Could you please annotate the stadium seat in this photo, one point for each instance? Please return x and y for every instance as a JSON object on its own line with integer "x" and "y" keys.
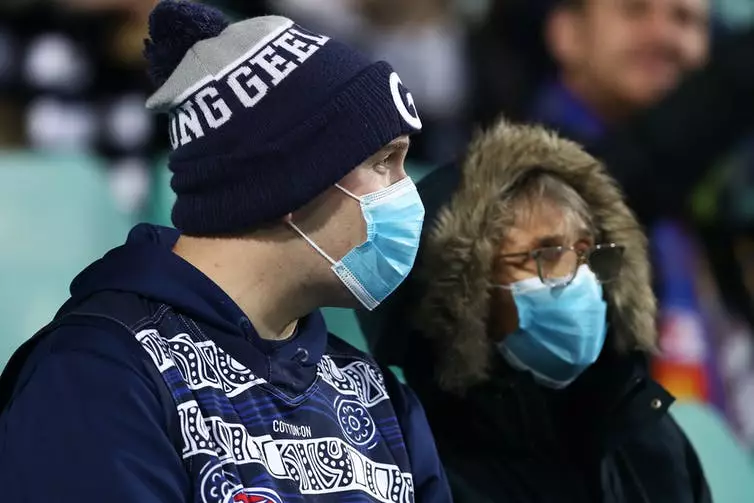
{"x": 343, "y": 323}
{"x": 56, "y": 216}
{"x": 727, "y": 464}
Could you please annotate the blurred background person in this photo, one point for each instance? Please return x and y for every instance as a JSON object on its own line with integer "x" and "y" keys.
{"x": 617, "y": 57}
{"x": 74, "y": 79}
{"x": 82, "y": 162}
{"x": 615, "y": 60}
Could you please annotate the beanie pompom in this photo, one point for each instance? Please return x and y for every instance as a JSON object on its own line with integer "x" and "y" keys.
{"x": 174, "y": 27}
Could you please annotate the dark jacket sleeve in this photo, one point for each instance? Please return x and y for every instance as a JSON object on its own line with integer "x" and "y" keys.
{"x": 430, "y": 481}
{"x": 87, "y": 424}
{"x": 702, "y": 493}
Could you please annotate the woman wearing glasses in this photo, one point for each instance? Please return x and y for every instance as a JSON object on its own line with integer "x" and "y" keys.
{"x": 532, "y": 318}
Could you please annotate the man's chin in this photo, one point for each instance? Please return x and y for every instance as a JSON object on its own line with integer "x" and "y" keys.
{"x": 649, "y": 95}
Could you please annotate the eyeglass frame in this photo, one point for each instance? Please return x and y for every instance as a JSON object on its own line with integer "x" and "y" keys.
{"x": 582, "y": 258}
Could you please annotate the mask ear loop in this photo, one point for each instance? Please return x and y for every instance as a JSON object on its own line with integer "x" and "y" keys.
{"x": 311, "y": 243}
{"x": 348, "y": 192}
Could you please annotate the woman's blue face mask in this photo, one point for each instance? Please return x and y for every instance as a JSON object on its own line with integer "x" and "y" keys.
{"x": 561, "y": 329}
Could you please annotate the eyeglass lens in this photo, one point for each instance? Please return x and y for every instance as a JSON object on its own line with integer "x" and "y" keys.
{"x": 558, "y": 265}
{"x": 606, "y": 262}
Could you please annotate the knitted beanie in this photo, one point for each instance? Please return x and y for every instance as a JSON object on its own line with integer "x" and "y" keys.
{"x": 264, "y": 114}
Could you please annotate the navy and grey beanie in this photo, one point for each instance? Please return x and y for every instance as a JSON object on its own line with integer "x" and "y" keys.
{"x": 264, "y": 114}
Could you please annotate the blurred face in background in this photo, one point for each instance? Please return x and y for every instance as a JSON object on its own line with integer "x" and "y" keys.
{"x": 623, "y": 55}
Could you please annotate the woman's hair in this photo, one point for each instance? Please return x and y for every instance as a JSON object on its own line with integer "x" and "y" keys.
{"x": 539, "y": 188}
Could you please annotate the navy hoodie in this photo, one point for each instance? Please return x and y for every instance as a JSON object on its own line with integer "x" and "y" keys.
{"x": 171, "y": 396}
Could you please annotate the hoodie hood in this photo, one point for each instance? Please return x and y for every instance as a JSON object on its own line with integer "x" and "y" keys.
{"x": 461, "y": 242}
{"x": 146, "y": 265}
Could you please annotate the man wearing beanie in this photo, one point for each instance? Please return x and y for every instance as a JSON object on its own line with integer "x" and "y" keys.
{"x": 192, "y": 365}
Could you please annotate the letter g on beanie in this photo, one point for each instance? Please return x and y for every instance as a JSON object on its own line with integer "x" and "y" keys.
{"x": 264, "y": 115}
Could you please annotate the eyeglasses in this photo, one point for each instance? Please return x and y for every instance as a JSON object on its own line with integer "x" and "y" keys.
{"x": 557, "y": 265}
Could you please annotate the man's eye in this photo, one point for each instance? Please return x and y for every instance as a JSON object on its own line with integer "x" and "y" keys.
{"x": 384, "y": 164}
{"x": 382, "y": 167}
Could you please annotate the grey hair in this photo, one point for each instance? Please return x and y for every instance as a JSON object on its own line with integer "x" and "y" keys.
{"x": 541, "y": 187}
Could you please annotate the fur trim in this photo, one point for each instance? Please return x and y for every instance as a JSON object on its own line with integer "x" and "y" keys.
{"x": 462, "y": 242}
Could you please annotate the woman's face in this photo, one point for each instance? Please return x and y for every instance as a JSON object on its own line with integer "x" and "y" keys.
{"x": 544, "y": 225}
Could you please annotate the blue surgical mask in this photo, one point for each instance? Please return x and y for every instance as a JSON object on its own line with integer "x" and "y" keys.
{"x": 374, "y": 269}
{"x": 561, "y": 329}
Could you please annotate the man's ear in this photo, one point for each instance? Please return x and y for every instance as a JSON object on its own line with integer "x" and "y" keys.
{"x": 563, "y": 35}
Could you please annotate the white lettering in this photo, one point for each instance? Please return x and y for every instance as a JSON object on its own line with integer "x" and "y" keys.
{"x": 188, "y": 120}
{"x": 253, "y": 83}
{"x": 317, "y": 39}
{"x": 173, "y": 131}
{"x": 412, "y": 119}
{"x": 210, "y": 107}
{"x": 292, "y": 429}
{"x": 297, "y": 47}
{"x": 219, "y": 106}
{"x": 272, "y": 66}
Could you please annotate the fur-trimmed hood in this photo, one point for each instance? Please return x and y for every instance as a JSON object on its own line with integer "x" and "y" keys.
{"x": 455, "y": 267}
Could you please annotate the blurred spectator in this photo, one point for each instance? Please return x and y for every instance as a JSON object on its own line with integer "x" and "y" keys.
{"x": 617, "y": 59}
{"x": 75, "y": 78}
{"x": 507, "y": 60}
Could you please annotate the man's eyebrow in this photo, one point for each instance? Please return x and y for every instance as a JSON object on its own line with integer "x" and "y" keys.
{"x": 394, "y": 146}
{"x": 397, "y": 144}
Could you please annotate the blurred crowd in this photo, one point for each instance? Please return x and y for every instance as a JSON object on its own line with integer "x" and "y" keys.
{"x": 663, "y": 91}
